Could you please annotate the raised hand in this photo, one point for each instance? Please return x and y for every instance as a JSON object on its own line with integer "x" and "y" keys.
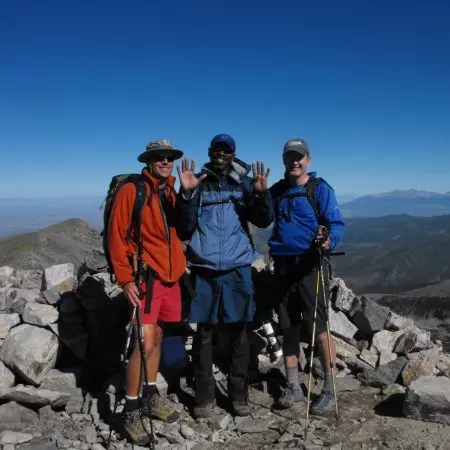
{"x": 259, "y": 177}
{"x": 188, "y": 180}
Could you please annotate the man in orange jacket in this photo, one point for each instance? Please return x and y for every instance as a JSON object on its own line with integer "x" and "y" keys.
{"x": 163, "y": 258}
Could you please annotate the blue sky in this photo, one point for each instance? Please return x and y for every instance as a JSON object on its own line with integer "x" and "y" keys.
{"x": 84, "y": 85}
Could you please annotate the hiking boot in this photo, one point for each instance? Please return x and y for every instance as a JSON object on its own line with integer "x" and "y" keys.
{"x": 159, "y": 410}
{"x": 241, "y": 408}
{"x": 291, "y": 395}
{"x": 133, "y": 425}
{"x": 203, "y": 411}
{"x": 324, "y": 404}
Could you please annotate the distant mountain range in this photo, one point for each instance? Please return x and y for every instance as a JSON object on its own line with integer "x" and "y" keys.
{"x": 412, "y": 202}
{"x": 390, "y": 254}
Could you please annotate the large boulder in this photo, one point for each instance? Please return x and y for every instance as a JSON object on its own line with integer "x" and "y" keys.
{"x": 61, "y": 276}
{"x": 369, "y": 317}
{"x": 6, "y": 377}
{"x": 30, "y": 351}
{"x": 8, "y": 321}
{"x": 38, "y": 314}
{"x": 428, "y": 399}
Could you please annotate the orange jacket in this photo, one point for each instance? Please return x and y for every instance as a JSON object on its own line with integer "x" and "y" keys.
{"x": 162, "y": 251}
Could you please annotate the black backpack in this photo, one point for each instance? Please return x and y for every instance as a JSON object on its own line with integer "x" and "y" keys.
{"x": 309, "y": 192}
{"x": 134, "y": 232}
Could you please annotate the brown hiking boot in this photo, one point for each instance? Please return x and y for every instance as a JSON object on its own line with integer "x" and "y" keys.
{"x": 203, "y": 411}
{"x": 159, "y": 409}
{"x": 134, "y": 426}
{"x": 241, "y": 408}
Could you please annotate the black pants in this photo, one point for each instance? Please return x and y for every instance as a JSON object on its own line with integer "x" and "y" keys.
{"x": 238, "y": 361}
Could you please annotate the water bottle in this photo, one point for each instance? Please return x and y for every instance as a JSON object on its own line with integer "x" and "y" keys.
{"x": 274, "y": 346}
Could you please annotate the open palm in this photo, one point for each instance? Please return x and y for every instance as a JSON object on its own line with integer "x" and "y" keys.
{"x": 188, "y": 180}
{"x": 259, "y": 176}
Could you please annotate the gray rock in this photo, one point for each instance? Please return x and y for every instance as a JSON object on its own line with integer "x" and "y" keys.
{"x": 7, "y": 321}
{"x": 344, "y": 349}
{"x": 41, "y": 315}
{"x": 5, "y": 273}
{"x": 16, "y": 299}
{"x": 252, "y": 426}
{"x": 386, "y": 358}
{"x": 6, "y": 377}
{"x": 221, "y": 421}
{"x": 30, "y": 351}
{"x": 428, "y": 399}
{"x": 348, "y": 384}
{"x": 47, "y": 416}
{"x": 385, "y": 340}
{"x": 13, "y": 413}
{"x": 52, "y": 296}
{"x": 59, "y": 275}
{"x": 340, "y": 325}
{"x": 394, "y": 389}
{"x": 13, "y": 437}
{"x": 341, "y": 295}
{"x": 420, "y": 364}
{"x": 56, "y": 380}
{"x": 384, "y": 375}
{"x": 29, "y": 395}
{"x": 187, "y": 432}
{"x": 411, "y": 340}
{"x": 396, "y": 322}
{"x": 370, "y": 357}
{"x": 370, "y": 317}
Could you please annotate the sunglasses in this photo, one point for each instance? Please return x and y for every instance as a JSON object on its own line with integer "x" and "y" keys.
{"x": 223, "y": 149}
{"x": 163, "y": 158}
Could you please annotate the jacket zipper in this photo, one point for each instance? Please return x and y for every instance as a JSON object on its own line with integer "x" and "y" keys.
{"x": 166, "y": 227}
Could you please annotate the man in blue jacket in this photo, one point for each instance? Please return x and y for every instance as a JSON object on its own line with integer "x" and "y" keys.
{"x": 214, "y": 210}
{"x": 303, "y": 204}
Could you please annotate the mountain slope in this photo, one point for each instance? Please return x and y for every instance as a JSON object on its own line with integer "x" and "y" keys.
{"x": 70, "y": 241}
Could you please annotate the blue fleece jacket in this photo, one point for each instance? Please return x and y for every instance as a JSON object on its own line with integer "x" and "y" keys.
{"x": 295, "y": 226}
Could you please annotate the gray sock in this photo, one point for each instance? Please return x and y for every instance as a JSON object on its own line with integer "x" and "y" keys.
{"x": 328, "y": 384}
{"x": 292, "y": 375}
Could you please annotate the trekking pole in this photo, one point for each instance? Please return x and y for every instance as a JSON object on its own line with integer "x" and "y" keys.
{"x": 327, "y": 305}
{"x": 141, "y": 343}
{"x": 313, "y": 343}
{"x": 140, "y": 334}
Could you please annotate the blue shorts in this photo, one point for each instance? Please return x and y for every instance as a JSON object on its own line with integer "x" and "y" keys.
{"x": 222, "y": 296}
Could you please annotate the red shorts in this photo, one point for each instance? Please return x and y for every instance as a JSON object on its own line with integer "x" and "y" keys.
{"x": 165, "y": 304}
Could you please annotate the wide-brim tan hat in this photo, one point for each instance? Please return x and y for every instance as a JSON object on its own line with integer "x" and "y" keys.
{"x": 156, "y": 149}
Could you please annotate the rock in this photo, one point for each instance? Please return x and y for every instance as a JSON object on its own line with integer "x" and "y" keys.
{"x": 347, "y": 384}
{"x": 73, "y": 335}
{"x": 55, "y": 380}
{"x": 29, "y": 395}
{"x": 13, "y": 437}
{"x": 5, "y": 273}
{"x": 420, "y": 364}
{"x": 423, "y": 340}
{"x": 162, "y": 386}
{"x": 221, "y": 421}
{"x": 442, "y": 365}
{"x": 16, "y": 299}
{"x": 385, "y": 341}
{"x": 60, "y": 276}
{"x": 253, "y": 426}
{"x": 428, "y": 399}
{"x": 42, "y": 315}
{"x": 6, "y": 377}
{"x": 30, "y": 351}
{"x": 89, "y": 434}
{"x": 47, "y": 416}
{"x": 370, "y": 357}
{"x": 340, "y": 325}
{"x": 396, "y": 322}
{"x": 341, "y": 295}
{"x": 384, "y": 375}
{"x": 344, "y": 349}
{"x": 187, "y": 432}
{"x": 394, "y": 389}
{"x": 13, "y": 413}
{"x": 386, "y": 358}
{"x": 7, "y": 321}
{"x": 370, "y": 317}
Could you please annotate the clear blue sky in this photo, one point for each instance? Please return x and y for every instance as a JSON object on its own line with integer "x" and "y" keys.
{"x": 84, "y": 85}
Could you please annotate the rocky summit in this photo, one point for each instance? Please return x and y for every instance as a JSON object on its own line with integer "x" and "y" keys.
{"x": 62, "y": 337}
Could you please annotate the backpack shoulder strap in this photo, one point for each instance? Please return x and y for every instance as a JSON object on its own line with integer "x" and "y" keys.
{"x": 312, "y": 197}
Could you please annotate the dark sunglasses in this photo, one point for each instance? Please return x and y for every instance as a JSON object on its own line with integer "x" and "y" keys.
{"x": 163, "y": 158}
{"x": 225, "y": 150}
